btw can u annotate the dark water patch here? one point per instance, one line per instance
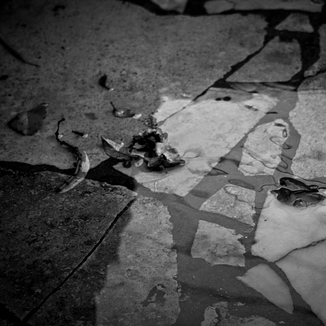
(105, 172)
(8, 167)
(155, 296)
(242, 183)
(217, 172)
(151, 7)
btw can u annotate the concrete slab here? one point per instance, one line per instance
(218, 245)
(144, 56)
(232, 201)
(308, 118)
(278, 61)
(130, 278)
(296, 23)
(262, 150)
(45, 235)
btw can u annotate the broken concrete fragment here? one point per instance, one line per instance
(282, 228)
(202, 133)
(29, 122)
(296, 23)
(232, 201)
(306, 270)
(219, 6)
(278, 61)
(309, 119)
(218, 314)
(265, 281)
(45, 235)
(140, 288)
(218, 245)
(263, 148)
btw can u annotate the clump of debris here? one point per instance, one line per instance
(149, 147)
(296, 193)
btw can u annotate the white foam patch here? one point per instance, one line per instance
(265, 281)
(306, 270)
(233, 201)
(218, 245)
(262, 150)
(202, 133)
(282, 228)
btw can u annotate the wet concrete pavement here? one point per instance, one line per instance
(236, 235)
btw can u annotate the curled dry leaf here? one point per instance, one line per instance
(115, 150)
(83, 164)
(29, 122)
(82, 169)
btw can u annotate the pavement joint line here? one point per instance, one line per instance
(98, 243)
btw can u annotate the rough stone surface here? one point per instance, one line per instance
(45, 235)
(282, 228)
(296, 23)
(140, 287)
(263, 148)
(217, 245)
(309, 119)
(232, 201)
(219, 6)
(278, 61)
(218, 314)
(306, 270)
(265, 281)
(203, 132)
(144, 55)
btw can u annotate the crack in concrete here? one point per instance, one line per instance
(312, 244)
(75, 269)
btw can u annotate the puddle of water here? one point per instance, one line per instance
(213, 134)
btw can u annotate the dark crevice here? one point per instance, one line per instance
(151, 7)
(71, 274)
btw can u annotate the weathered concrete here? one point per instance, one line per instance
(278, 61)
(144, 56)
(296, 23)
(218, 245)
(45, 235)
(158, 265)
(262, 150)
(308, 118)
(232, 201)
(141, 288)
